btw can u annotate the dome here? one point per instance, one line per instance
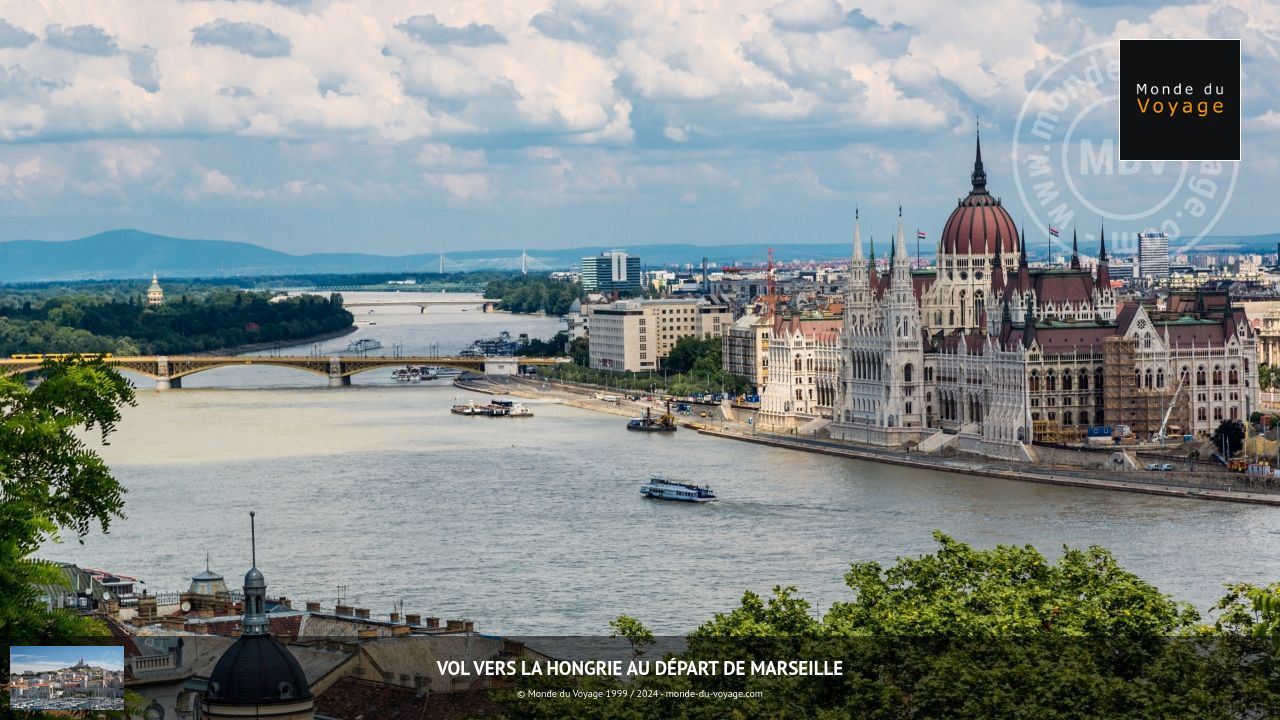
(254, 578)
(979, 220)
(982, 218)
(257, 670)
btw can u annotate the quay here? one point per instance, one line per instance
(1095, 479)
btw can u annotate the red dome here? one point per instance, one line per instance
(982, 218)
(979, 219)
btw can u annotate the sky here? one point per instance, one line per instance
(41, 659)
(399, 127)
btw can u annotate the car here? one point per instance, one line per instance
(1167, 467)
(1154, 467)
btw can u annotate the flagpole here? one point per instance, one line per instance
(917, 244)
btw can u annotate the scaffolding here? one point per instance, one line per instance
(1128, 402)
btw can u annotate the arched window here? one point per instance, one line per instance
(1160, 378)
(1084, 379)
(907, 372)
(1035, 381)
(1050, 382)
(1217, 413)
(799, 363)
(1149, 375)
(1217, 374)
(1066, 380)
(1232, 376)
(1066, 418)
(937, 317)
(1200, 375)
(951, 317)
(1201, 415)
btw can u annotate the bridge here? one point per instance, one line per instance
(168, 371)
(424, 303)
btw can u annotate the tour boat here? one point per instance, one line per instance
(363, 345)
(507, 408)
(467, 408)
(662, 489)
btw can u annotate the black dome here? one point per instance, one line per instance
(257, 670)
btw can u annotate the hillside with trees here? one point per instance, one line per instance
(533, 293)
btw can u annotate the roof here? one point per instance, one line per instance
(1058, 286)
(352, 698)
(257, 670)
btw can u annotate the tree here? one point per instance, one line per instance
(580, 351)
(634, 631)
(1230, 433)
(51, 482)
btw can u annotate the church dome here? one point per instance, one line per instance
(257, 670)
(979, 220)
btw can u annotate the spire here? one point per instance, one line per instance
(900, 241)
(857, 237)
(979, 175)
(997, 267)
(1102, 243)
(1104, 267)
(255, 590)
(1075, 249)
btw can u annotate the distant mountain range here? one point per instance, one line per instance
(123, 254)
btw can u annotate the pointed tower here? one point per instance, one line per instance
(860, 296)
(1104, 295)
(257, 676)
(979, 176)
(995, 303)
(1075, 249)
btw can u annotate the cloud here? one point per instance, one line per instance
(249, 38)
(426, 29)
(461, 188)
(83, 39)
(12, 36)
(143, 69)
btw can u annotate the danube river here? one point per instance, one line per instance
(536, 526)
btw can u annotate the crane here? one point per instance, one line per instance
(1160, 436)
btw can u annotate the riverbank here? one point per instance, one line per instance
(259, 347)
(1204, 487)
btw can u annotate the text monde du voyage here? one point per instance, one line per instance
(582, 668)
(1180, 99)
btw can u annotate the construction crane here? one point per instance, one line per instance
(1160, 436)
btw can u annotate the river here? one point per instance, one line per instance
(535, 526)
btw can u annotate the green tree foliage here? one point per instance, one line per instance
(964, 633)
(580, 351)
(692, 367)
(201, 322)
(533, 293)
(1230, 433)
(1266, 377)
(52, 482)
(554, 347)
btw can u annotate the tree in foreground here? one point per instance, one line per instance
(52, 483)
(968, 633)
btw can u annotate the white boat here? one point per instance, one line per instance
(363, 345)
(663, 489)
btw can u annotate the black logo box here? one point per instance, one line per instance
(1177, 72)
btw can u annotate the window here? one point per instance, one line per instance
(1217, 374)
(907, 372)
(1200, 375)
(1066, 381)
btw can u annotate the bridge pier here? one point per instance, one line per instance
(167, 383)
(339, 381)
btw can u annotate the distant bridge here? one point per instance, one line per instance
(487, 304)
(168, 371)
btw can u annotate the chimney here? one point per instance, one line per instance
(395, 617)
(313, 607)
(362, 613)
(413, 619)
(454, 625)
(469, 626)
(433, 622)
(343, 610)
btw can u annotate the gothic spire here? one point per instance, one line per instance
(997, 266)
(1102, 243)
(979, 175)
(1075, 249)
(857, 237)
(255, 590)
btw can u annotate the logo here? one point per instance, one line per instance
(1068, 169)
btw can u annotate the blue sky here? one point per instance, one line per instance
(399, 126)
(40, 659)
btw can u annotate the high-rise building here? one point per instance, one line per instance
(635, 335)
(1153, 254)
(612, 272)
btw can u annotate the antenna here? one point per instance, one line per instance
(772, 288)
(253, 539)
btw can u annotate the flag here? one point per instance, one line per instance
(920, 235)
(1053, 231)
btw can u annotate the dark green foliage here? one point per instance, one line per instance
(693, 367)
(1230, 433)
(968, 634)
(118, 323)
(534, 293)
(554, 347)
(51, 481)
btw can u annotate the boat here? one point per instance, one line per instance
(467, 408)
(666, 422)
(509, 408)
(662, 489)
(363, 345)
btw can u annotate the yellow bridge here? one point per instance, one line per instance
(168, 371)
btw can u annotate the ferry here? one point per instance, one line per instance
(467, 408)
(508, 408)
(363, 345)
(665, 422)
(663, 489)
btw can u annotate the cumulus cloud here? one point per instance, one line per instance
(12, 36)
(83, 39)
(143, 69)
(461, 188)
(249, 38)
(425, 28)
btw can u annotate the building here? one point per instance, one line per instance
(988, 354)
(613, 273)
(804, 362)
(155, 293)
(1153, 254)
(635, 335)
(257, 676)
(746, 349)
